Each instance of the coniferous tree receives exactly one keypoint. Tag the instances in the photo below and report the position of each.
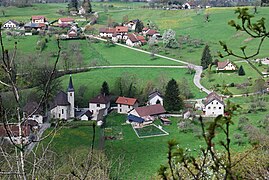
(87, 6)
(105, 89)
(139, 26)
(206, 57)
(172, 100)
(241, 71)
(73, 5)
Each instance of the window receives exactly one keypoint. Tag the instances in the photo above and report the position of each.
(129, 106)
(209, 107)
(120, 105)
(214, 107)
(120, 110)
(219, 107)
(70, 94)
(217, 102)
(59, 115)
(212, 103)
(98, 105)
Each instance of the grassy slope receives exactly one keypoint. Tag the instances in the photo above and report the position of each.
(143, 75)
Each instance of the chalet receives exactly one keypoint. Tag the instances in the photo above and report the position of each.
(117, 33)
(106, 32)
(64, 22)
(126, 104)
(10, 24)
(98, 103)
(226, 66)
(38, 19)
(213, 105)
(135, 40)
(32, 111)
(10, 132)
(131, 24)
(155, 98)
(152, 33)
(148, 112)
(63, 106)
(37, 26)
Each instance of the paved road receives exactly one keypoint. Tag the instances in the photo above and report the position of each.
(198, 69)
(42, 129)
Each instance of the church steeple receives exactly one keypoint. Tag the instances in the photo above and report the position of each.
(70, 86)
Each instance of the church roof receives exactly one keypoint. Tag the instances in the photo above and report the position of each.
(60, 100)
(70, 86)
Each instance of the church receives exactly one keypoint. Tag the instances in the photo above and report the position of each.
(63, 106)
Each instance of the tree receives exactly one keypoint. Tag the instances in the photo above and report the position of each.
(241, 71)
(87, 6)
(105, 89)
(169, 39)
(206, 59)
(172, 100)
(73, 5)
(139, 26)
(259, 85)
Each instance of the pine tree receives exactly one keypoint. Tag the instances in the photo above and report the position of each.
(172, 100)
(241, 71)
(206, 57)
(87, 6)
(105, 89)
(73, 5)
(139, 26)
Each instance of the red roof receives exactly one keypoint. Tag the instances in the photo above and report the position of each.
(107, 30)
(121, 29)
(211, 97)
(223, 64)
(132, 37)
(150, 110)
(151, 32)
(145, 29)
(141, 39)
(38, 17)
(13, 130)
(127, 101)
(67, 20)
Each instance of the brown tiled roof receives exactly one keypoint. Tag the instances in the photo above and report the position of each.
(72, 33)
(145, 29)
(151, 32)
(141, 39)
(133, 38)
(65, 20)
(38, 17)
(127, 101)
(13, 130)
(30, 107)
(223, 64)
(100, 99)
(211, 97)
(150, 110)
(107, 30)
(121, 29)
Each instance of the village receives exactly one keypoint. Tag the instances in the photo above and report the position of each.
(130, 84)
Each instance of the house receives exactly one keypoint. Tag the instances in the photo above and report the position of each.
(38, 19)
(132, 40)
(126, 104)
(32, 111)
(165, 121)
(155, 98)
(152, 33)
(72, 33)
(145, 30)
(226, 66)
(131, 24)
(106, 32)
(81, 11)
(63, 106)
(186, 6)
(148, 112)
(98, 103)
(87, 115)
(12, 132)
(135, 120)
(63, 22)
(117, 33)
(213, 105)
(37, 26)
(10, 24)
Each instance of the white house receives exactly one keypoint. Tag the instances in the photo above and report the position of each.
(226, 66)
(32, 111)
(64, 103)
(11, 132)
(10, 24)
(131, 24)
(117, 33)
(135, 40)
(65, 21)
(148, 112)
(155, 98)
(39, 19)
(86, 116)
(100, 103)
(213, 105)
(126, 104)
